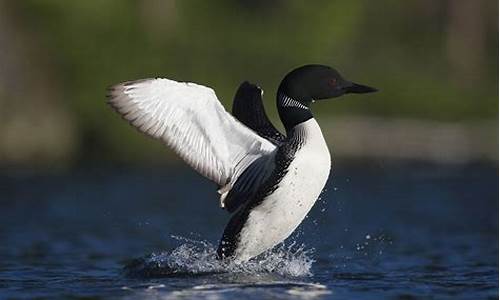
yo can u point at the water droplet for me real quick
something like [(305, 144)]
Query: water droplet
[(195, 257)]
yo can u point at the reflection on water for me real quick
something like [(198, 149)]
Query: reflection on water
[(379, 231), (256, 290)]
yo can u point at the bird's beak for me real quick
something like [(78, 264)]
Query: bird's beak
[(355, 88)]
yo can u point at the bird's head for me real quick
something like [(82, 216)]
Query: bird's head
[(317, 82)]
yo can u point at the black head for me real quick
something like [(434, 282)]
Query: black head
[(308, 83), (317, 82)]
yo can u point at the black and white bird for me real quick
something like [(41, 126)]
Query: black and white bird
[(269, 181)]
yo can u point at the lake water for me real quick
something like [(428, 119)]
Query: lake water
[(379, 231)]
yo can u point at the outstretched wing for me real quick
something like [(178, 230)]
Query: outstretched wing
[(249, 110), (190, 119)]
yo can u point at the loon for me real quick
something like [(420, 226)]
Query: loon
[(269, 181)]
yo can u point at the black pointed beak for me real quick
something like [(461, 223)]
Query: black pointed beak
[(359, 88)]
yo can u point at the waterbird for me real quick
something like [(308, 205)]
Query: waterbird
[(268, 181)]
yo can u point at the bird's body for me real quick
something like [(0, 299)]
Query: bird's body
[(268, 180), (300, 171)]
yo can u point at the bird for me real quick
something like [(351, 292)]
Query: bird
[(267, 180)]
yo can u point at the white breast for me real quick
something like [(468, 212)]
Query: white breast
[(281, 212)]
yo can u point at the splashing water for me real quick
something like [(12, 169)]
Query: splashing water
[(195, 257)]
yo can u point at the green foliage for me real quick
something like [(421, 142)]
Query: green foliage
[(399, 47)]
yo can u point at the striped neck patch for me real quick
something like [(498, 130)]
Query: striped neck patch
[(286, 101)]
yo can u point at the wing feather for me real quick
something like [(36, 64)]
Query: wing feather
[(190, 119)]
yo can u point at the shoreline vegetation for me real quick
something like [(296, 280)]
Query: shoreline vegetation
[(349, 138), (435, 64)]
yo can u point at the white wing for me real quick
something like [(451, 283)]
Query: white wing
[(190, 119)]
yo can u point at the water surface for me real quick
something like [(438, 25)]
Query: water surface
[(392, 231)]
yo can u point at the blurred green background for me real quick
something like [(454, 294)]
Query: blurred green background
[(435, 63)]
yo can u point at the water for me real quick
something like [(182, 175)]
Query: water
[(391, 231)]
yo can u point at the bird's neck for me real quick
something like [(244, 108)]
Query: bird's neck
[(292, 112), (307, 132)]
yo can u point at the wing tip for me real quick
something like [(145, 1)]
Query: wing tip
[(113, 94), (115, 91), (135, 82), (125, 85), (251, 87)]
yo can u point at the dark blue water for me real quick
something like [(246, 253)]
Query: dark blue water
[(380, 231)]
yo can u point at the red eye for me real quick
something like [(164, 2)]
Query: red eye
[(332, 81)]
